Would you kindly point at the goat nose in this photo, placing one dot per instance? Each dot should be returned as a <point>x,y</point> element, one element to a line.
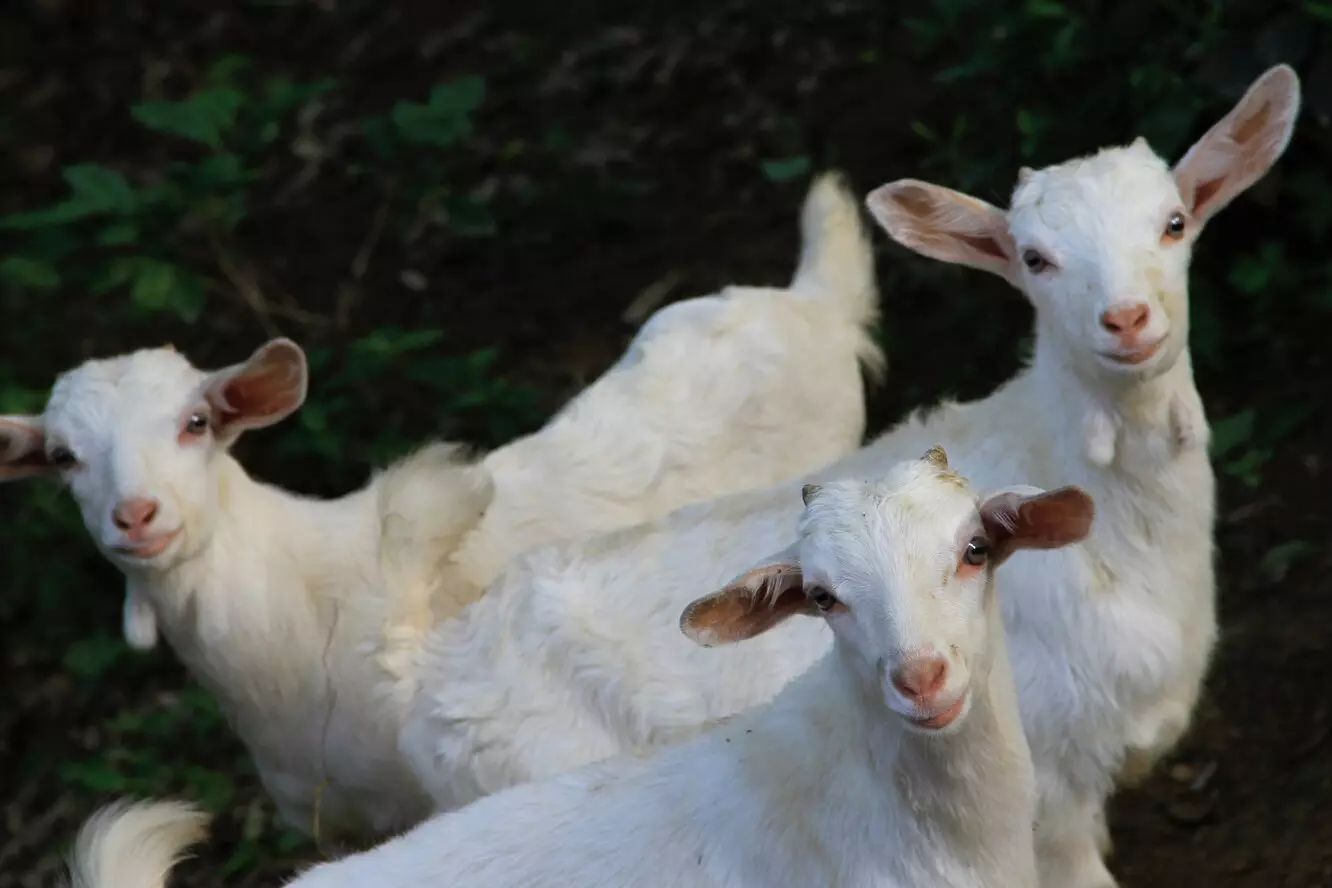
<point>921,678</point>
<point>1123,321</point>
<point>133,513</point>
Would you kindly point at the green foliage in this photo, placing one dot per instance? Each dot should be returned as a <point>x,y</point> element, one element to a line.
<point>206,116</point>
<point>785,170</point>
<point>444,119</point>
<point>422,182</point>
<point>1242,444</point>
<point>165,240</point>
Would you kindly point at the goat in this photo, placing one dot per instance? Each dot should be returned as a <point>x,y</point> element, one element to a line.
<point>303,616</point>
<point>898,760</point>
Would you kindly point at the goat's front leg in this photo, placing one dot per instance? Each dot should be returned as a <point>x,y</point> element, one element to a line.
<point>1070,840</point>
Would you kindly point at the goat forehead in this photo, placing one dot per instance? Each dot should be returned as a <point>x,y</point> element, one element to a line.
<point>899,530</point>
<point>125,391</point>
<point>1116,196</point>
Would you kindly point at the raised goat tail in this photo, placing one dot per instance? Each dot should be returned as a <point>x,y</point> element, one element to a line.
<point>134,844</point>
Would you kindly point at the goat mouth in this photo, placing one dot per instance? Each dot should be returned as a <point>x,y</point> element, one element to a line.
<point>150,549</point>
<point>941,720</point>
<point>1132,358</point>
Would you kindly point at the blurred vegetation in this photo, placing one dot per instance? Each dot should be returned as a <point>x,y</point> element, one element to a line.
<point>448,209</point>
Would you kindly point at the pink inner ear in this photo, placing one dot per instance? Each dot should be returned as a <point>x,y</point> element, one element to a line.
<point>19,440</point>
<point>268,387</point>
<point>260,393</point>
<point>22,451</point>
<point>1254,124</point>
<point>755,603</point>
<point>1203,192</point>
<point>984,245</point>
<point>1049,521</point>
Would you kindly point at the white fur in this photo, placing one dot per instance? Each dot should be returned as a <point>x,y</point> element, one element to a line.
<point>740,389</point>
<point>124,844</point>
<point>832,783</point>
<point>303,616</point>
<point>571,657</point>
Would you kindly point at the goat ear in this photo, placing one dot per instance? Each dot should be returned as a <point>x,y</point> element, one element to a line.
<point>750,605</point>
<point>1030,518</point>
<point>946,225</point>
<point>23,448</point>
<point>265,389</point>
<point>1242,146</point>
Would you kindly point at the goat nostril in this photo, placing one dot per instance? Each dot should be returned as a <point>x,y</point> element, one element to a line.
<point>938,671</point>
<point>903,684</point>
<point>1126,320</point>
<point>134,513</point>
<point>922,678</point>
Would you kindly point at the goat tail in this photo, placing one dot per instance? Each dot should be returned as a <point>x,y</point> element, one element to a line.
<point>837,259</point>
<point>428,503</point>
<point>134,845</point>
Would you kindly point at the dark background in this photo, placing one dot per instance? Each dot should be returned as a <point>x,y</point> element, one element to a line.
<point>451,205</point>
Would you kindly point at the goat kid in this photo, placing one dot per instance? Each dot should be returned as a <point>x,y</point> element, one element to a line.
<point>898,760</point>
<point>303,616</point>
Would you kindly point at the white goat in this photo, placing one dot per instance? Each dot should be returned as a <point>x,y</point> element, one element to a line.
<point>301,615</point>
<point>898,760</point>
<point>570,658</point>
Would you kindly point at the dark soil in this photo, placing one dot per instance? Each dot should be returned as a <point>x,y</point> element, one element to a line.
<point>683,100</point>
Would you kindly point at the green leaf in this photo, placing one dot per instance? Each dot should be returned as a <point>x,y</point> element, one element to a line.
<point>222,170</point>
<point>17,399</point>
<point>188,303</point>
<point>458,97</point>
<point>116,274</point>
<point>425,125</point>
<point>91,657</point>
<point>445,117</point>
<point>281,96</point>
<point>100,187</point>
<point>786,169</point>
<point>225,71</point>
<point>118,234</point>
<point>206,116</point>
<point>919,128</point>
<point>469,217</point>
<point>391,342</point>
<point>1247,468</point>
<point>30,274</point>
<point>161,287</point>
<point>1278,560</point>
<point>1319,10</point>
<point>153,284</point>
<point>1252,273</point>
<point>1231,432</point>
<point>98,776</point>
<point>94,191</point>
<point>1046,9</point>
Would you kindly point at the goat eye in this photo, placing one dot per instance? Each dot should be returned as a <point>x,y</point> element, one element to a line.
<point>197,424</point>
<point>1175,226</point>
<point>823,599</point>
<point>1035,262</point>
<point>977,552</point>
<point>62,457</point>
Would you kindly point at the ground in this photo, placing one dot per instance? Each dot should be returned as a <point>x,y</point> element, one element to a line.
<point>613,162</point>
